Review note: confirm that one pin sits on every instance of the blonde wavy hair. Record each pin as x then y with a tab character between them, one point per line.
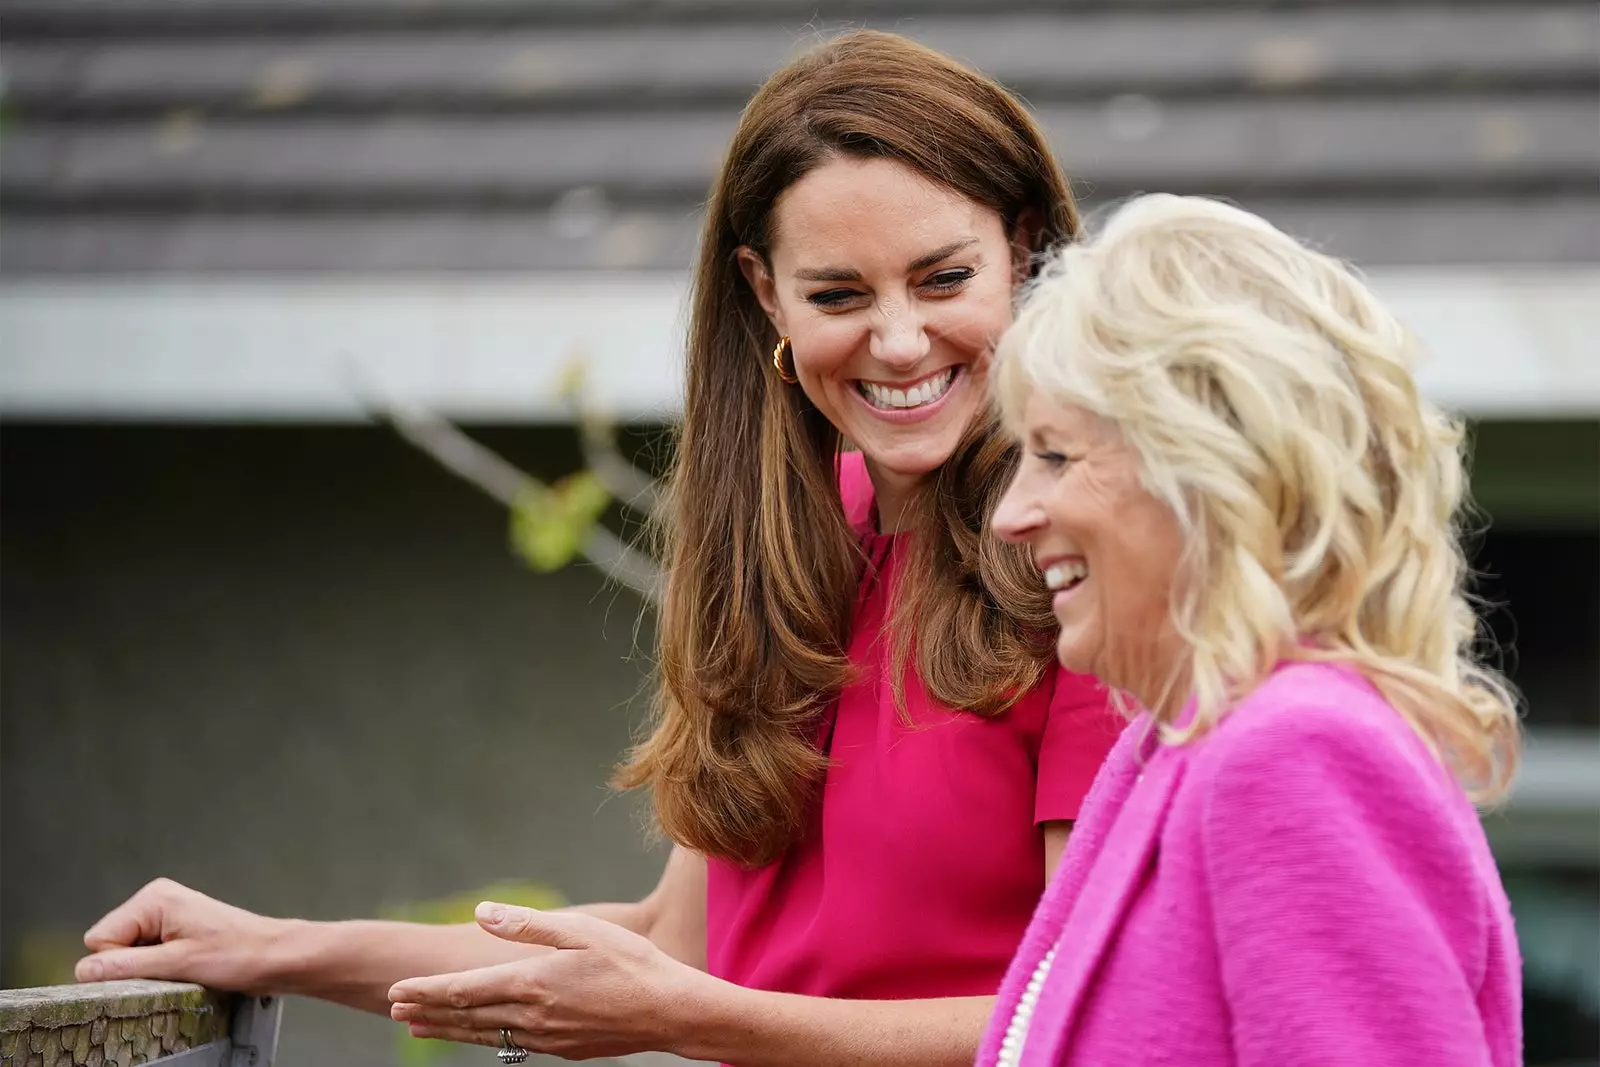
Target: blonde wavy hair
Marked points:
1271	400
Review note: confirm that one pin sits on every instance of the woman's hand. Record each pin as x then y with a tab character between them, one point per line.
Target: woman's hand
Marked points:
605	991
169	931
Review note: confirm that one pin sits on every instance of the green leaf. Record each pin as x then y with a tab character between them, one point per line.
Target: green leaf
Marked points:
420	1051
549	524
459	907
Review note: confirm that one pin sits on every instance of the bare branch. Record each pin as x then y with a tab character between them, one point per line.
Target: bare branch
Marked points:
507	483
623	480
623	563
460	454
626	482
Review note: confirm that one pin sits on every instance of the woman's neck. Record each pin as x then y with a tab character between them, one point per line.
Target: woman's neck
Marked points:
892	495
1161	683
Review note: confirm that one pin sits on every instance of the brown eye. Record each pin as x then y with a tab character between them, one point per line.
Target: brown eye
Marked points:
948	280
1054	460
832	297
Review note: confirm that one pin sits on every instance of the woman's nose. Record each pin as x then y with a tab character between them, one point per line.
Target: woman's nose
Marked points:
898	338
1018	515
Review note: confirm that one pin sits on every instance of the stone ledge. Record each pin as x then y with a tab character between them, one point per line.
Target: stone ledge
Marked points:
107	1024
70	1005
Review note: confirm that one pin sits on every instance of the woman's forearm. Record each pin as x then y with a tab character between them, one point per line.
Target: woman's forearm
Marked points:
752	1028
355	962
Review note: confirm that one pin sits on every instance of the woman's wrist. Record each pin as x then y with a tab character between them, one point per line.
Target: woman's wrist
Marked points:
287	954
703	1016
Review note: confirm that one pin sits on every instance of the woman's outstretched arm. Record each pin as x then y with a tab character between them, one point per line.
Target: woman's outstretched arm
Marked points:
170	931
603	991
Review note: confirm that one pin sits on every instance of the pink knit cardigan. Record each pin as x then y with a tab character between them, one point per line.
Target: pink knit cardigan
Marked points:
1306	886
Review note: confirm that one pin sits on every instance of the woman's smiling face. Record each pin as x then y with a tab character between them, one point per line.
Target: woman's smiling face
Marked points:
1108	550
892	290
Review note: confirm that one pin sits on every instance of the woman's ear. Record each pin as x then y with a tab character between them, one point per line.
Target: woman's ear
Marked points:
1025	234
759	275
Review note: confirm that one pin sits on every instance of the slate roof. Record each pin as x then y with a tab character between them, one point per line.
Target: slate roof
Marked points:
205	136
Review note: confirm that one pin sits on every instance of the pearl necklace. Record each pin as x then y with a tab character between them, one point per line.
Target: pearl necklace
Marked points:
1022	1018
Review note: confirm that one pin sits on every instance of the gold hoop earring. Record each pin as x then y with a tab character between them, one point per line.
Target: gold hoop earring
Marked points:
784	348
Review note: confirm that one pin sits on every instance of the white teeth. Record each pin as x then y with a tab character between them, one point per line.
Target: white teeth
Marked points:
1065	575
882	396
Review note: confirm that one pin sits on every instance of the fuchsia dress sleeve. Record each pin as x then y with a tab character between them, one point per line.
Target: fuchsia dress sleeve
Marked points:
1078	734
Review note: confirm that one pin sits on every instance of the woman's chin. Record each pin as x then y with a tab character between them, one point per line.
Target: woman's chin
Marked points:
913	450
909	459
1072	655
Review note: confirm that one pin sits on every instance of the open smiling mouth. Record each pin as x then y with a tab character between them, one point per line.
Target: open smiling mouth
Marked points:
928	391
1067	574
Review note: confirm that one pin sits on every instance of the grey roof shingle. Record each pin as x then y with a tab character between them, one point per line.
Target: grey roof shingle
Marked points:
1091	55
181	135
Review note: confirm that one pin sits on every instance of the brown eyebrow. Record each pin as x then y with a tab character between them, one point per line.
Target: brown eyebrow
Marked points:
943	253
1051	440
828	274
845	274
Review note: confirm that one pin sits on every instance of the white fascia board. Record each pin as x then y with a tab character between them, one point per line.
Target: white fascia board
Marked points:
1503	342
474	348
1560	771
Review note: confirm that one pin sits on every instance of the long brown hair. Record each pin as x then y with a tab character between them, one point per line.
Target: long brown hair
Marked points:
764	569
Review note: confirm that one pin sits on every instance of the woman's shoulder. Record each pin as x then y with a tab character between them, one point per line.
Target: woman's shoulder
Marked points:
1298	701
1321	731
1316	781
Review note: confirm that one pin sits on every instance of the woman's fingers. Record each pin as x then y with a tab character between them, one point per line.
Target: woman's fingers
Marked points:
167	930
489	1017
521	1038
604	1000
568	1045
500	984
140	918
126	925
552	929
169	961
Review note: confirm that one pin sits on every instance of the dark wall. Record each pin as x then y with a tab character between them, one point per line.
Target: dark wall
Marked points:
1541	593
300	669
1538	485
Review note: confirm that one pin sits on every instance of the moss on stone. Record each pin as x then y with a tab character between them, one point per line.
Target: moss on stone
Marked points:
107	1024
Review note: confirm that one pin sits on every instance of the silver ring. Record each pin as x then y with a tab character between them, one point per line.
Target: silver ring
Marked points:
510	1051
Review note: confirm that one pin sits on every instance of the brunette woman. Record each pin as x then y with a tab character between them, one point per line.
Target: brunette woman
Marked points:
863	749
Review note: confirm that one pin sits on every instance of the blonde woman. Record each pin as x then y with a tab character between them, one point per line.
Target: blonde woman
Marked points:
1245	512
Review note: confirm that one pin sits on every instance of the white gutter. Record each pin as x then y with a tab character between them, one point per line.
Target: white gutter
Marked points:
1505	342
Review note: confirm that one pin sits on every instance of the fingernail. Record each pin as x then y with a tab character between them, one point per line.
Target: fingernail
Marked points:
492	914
91	971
